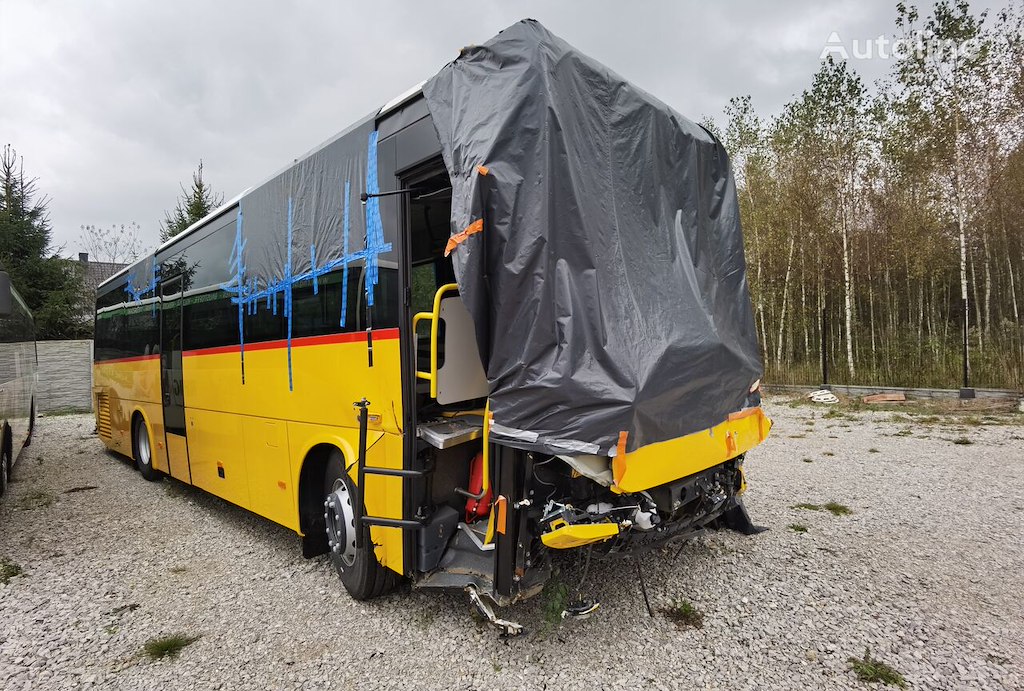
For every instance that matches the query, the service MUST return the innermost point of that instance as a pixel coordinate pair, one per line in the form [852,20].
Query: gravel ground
[926,571]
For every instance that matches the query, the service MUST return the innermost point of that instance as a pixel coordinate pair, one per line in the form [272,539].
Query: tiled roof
[97,272]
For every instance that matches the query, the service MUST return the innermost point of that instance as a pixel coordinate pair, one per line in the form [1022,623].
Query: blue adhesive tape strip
[246,294]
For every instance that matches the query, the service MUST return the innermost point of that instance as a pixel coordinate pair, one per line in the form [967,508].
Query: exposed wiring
[586,570]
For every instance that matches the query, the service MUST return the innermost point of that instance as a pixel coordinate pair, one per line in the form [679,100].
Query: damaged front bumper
[629,523]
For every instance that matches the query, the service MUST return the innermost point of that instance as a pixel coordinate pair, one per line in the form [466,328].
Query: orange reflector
[454,241]
[483,170]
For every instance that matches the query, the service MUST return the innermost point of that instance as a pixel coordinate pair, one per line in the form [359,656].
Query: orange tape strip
[502,504]
[619,462]
[620,448]
[454,241]
[740,414]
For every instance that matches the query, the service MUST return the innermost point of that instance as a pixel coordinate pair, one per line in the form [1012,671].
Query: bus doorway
[449,374]
[449,393]
[171,378]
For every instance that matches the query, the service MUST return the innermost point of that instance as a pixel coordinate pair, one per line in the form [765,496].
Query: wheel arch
[138,412]
[309,481]
[311,495]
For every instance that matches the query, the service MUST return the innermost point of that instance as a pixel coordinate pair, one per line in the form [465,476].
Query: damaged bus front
[586,365]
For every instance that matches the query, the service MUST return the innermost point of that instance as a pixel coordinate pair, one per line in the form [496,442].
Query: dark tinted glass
[113,296]
[210,320]
[209,259]
[127,332]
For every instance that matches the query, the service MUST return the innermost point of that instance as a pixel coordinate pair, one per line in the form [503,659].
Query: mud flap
[738,519]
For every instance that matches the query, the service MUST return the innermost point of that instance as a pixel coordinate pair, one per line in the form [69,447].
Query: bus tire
[361,574]
[142,450]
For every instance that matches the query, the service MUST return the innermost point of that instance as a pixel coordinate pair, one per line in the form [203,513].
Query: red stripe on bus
[328,339]
[134,358]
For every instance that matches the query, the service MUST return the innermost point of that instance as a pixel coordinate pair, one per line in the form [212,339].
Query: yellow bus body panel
[565,536]
[247,442]
[132,384]
[667,461]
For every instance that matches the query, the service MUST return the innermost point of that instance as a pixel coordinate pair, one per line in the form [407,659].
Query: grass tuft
[827,453]
[875,671]
[684,614]
[963,441]
[837,509]
[555,597]
[8,570]
[168,646]
[832,507]
[873,450]
[61,412]
[798,527]
[808,460]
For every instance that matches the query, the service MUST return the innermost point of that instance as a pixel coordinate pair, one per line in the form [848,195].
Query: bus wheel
[361,574]
[143,451]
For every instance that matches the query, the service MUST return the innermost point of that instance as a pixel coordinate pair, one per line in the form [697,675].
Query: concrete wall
[65,375]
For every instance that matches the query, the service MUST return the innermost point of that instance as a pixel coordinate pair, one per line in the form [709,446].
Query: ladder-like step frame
[362,470]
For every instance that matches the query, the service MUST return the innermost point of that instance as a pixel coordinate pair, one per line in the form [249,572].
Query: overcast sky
[112,104]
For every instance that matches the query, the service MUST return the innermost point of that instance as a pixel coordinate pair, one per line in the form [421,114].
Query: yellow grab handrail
[434,317]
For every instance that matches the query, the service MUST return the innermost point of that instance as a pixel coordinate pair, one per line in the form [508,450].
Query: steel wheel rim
[145,453]
[339,518]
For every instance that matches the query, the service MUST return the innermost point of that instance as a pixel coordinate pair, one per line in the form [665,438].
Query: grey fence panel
[65,376]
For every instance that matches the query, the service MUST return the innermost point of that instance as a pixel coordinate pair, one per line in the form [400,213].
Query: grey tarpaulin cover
[608,285]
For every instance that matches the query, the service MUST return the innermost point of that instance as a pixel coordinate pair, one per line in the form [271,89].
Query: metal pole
[357,510]
[824,352]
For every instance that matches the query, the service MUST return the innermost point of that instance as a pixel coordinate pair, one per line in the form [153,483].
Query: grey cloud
[113,103]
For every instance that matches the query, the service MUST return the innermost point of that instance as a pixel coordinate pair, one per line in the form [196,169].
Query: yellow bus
[505,314]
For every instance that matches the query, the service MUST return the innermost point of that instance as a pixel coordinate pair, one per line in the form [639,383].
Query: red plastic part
[477,508]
